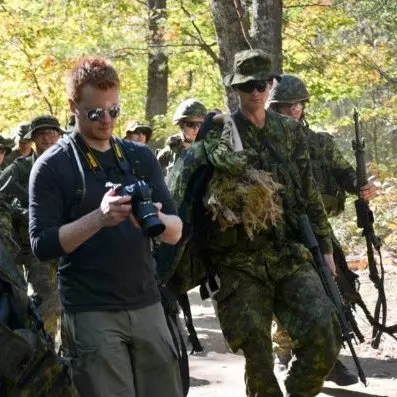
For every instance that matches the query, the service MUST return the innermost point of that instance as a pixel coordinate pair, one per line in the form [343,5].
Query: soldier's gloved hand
[329,260]
[370,190]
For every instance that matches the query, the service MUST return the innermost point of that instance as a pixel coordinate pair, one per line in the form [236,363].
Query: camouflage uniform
[176,143]
[26,352]
[334,177]
[18,134]
[170,153]
[41,275]
[271,273]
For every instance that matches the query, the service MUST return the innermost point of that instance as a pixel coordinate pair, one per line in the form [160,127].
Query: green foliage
[385,212]
[343,49]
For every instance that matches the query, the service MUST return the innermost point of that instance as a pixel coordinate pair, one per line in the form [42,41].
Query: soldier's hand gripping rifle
[365,220]
[346,320]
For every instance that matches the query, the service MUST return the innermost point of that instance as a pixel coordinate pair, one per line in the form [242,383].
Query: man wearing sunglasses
[189,116]
[114,326]
[44,132]
[270,272]
[335,177]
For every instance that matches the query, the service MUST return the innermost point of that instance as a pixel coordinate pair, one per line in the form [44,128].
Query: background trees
[168,50]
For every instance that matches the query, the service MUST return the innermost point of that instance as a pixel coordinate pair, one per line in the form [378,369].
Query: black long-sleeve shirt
[113,270]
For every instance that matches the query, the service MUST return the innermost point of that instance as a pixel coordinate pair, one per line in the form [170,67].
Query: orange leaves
[48,62]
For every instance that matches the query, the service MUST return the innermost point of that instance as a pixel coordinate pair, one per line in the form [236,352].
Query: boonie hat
[250,65]
[43,122]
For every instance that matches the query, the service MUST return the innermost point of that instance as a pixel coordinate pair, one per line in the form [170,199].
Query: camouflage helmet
[250,65]
[290,89]
[20,131]
[191,107]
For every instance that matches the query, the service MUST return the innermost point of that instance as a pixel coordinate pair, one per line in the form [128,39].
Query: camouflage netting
[250,199]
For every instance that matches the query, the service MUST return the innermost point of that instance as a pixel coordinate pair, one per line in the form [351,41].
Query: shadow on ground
[195,382]
[348,393]
[374,368]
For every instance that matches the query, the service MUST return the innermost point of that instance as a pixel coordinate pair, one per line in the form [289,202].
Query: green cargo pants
[42,276]
[122,353]
[246,305]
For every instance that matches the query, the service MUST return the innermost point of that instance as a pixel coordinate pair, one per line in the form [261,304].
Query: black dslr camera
[142,206]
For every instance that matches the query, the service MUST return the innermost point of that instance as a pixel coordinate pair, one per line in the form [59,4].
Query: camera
[143,207]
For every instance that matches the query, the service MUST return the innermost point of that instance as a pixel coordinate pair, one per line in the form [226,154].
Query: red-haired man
[113,320]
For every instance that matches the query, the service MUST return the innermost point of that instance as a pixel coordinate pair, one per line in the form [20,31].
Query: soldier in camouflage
[189,116]
[335,177]
[272,271]
[29,366]
[138,132]
[23,146]
[5,149]
[44,131]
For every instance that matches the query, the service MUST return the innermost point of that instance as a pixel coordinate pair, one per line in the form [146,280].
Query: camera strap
[78,149]
[92,162]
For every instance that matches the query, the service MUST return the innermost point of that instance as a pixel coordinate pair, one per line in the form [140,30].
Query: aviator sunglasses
[98,114]
[250,86]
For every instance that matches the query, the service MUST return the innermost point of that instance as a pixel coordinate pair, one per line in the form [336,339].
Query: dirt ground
[218,373]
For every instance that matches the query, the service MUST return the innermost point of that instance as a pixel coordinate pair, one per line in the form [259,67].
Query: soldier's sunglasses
[193,124]
[98,114]
[250,86]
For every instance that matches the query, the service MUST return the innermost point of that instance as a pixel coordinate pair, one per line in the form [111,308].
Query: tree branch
[35,80]
[243,22]
[374,66]
[206,47]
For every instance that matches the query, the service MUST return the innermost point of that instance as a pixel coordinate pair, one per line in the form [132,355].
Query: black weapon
[346,320]
[365,220]
[184,303]
[14,189]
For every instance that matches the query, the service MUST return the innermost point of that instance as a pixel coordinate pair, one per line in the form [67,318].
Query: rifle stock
[346,319]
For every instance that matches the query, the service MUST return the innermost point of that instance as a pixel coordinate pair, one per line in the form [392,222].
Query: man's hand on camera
[173,226]
[114,209]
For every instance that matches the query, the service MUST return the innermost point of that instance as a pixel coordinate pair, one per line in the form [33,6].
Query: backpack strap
[69,144]
[133,158]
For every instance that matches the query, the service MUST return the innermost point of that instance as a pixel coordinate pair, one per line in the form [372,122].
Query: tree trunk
[230,39]
[233,33]
[157,81]
[266,29]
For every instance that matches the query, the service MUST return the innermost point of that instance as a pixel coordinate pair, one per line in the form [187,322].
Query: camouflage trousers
[42,277]
[246,305]
[346,279]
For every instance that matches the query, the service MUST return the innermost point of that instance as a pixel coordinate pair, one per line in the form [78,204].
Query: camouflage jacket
[170,153]
[333,173]
[292,169]
[278,247]
[19,171]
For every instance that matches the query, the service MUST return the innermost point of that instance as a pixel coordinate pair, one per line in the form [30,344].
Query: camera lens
[152,226]
[149,220]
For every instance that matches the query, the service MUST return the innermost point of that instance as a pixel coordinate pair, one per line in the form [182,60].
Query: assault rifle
[365,220]
[346,320]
